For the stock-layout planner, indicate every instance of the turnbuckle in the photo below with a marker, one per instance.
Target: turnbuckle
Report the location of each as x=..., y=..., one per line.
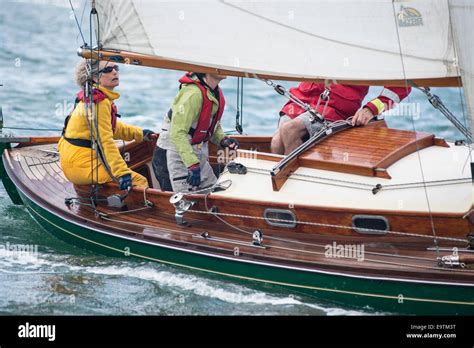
x=325, y=96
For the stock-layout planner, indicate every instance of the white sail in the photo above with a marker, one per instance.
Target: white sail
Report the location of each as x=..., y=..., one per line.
x=462, y=17
x=336, y=40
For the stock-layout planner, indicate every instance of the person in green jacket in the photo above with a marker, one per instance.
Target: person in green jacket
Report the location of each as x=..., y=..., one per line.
x=181, y=158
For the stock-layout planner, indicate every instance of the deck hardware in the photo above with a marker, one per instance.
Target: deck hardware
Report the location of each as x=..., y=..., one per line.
x=376, y=189
x=460, y=142
x=115, y=201
x=470, y=238
x=213, y=209
x=467, y=251
x=205, y=235
x=257, y=238
x=181, y=206
x=450, y=261
x=149, y=204
x=100, y=215
x=236, y=168
x=221, y=186
x=323, y=97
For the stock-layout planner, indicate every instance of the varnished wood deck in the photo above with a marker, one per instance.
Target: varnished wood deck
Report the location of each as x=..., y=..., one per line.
x=366, y=150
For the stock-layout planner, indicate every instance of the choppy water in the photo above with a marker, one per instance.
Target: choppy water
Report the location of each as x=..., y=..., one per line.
x=38, y=42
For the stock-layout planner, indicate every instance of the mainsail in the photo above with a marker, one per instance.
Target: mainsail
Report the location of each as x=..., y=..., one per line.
x=348, y=40
x=384, y=42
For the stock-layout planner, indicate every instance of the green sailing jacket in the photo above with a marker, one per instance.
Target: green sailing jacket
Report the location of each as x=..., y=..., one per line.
x=186, y=109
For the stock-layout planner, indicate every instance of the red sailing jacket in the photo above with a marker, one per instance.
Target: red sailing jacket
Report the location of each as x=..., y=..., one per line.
x=97, y=97
x=205, y=129
x=344, y=100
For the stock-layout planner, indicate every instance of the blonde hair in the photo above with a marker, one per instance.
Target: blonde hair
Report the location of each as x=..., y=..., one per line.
x=85, y=71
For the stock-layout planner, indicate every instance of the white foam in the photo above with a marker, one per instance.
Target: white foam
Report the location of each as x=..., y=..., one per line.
x=232, y=293
x=235, y=294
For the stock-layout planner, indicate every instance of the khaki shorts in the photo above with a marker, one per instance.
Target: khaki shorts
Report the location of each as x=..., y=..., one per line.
x=312, y=128
x=283, y=119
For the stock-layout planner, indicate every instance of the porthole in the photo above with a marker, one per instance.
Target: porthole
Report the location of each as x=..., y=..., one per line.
x=280, y=218
x=370, y=224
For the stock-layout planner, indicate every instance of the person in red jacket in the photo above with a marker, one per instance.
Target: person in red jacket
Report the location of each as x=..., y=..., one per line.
x=345, y=101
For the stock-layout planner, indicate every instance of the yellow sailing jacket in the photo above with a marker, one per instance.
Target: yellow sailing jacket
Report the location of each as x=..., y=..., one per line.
x=79, y=157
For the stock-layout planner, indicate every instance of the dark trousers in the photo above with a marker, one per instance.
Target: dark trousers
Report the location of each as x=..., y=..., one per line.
x=160, y=168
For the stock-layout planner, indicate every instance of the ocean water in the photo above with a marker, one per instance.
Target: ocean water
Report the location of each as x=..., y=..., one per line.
x=38, y=43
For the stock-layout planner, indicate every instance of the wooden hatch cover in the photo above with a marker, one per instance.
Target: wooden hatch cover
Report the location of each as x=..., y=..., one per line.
x=367, y=151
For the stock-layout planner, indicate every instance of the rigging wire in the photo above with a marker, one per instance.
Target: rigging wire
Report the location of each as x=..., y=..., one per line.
x=83, y=12
x=77, y=22
x=435, y=240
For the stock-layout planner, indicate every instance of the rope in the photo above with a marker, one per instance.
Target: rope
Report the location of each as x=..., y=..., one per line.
x=414, y=129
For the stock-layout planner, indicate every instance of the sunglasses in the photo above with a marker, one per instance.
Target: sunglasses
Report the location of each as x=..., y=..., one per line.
x=108, y=69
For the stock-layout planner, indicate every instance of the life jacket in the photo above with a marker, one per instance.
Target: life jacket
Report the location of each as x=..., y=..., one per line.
x=344, y=100
x=97, y=97
x=204, y=128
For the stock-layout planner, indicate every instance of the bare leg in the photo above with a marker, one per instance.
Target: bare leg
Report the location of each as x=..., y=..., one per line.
x=291, y=133
x=277, y=144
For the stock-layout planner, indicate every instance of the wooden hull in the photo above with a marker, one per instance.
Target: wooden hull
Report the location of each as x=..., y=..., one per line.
x=399, y=274
x=371, y=294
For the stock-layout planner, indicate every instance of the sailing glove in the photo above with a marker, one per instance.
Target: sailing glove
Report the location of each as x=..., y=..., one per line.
x=125, y=182
x=149, y=135
x=231, y=143
x=194, y=175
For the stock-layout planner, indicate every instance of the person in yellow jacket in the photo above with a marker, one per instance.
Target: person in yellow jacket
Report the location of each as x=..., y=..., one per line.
x=75, y=145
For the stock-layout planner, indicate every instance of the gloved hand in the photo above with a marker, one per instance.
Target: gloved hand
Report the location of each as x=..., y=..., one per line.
x=149, y=135
x=194, y=175
x=231, y=143
x=125, y=182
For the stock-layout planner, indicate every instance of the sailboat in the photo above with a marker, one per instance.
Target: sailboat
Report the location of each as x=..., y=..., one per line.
x=369, y=217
